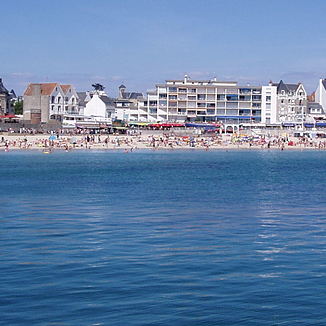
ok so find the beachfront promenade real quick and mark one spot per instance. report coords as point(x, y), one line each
point(163, 141)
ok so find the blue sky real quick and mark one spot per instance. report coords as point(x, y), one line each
point(141, 43)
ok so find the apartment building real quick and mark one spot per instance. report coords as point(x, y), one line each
point(291, 104)
point(209, 100)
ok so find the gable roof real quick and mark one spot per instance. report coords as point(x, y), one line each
point(82, 97)
point(65, 88)
point(324, 83)
point(281, 86)
point(46, 88)
point(3, 90)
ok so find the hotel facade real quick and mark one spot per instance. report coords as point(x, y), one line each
point(208, 101)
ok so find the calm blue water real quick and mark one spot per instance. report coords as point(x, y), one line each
point(163, 238)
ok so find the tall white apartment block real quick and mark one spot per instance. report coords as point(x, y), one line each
point(269, 105)
point(209, 100)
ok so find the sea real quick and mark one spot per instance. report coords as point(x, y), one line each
point(181, 238)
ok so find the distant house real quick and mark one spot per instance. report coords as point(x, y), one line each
point(100, 105)
point(49, 101)
point(320, 93)
point(126, 105)
point(6, 97)
point(291, 103)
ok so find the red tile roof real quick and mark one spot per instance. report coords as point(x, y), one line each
point(46, 88)
point(65, 88)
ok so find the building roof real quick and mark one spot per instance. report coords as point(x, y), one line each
point(82, 97)
point(281, 86)
point(131, 95)
point(107, 100)
point(122, 86)
point(65, 88)
point(324, 83)
point(46, 88)
point(3, 90)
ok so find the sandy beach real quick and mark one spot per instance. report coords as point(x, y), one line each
point(153, 141)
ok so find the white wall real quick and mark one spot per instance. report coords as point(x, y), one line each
point(269, 108)
point(320, 95)
point(95, 107)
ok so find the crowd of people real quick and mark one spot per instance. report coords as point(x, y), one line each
point(155, 141)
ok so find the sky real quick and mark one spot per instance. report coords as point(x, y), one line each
point(143, 42)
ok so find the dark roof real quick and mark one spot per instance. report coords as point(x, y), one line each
point(122, 86)
point(81, 96)
point(324, 83)
point(132, 95)
point(107, 100)
point(281, 86)
point(13, 94)
point(3, 90)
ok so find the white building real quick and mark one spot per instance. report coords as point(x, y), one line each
point(100, 105)
point(127, 105)
point(208, 100)
point(291, 104)
point(320, 94)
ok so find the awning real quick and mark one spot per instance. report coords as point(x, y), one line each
point(9, 116)
point(201, 125)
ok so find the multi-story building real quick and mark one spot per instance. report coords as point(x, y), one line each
point(127, 104)
point(6, 97)
point(291, 104)
point(209, 100)
point(320, 94)
point(49, 101)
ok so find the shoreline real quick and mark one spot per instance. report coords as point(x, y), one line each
point(163, 142)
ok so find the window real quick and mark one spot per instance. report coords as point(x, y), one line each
point(52, 99)
point(172, 89)
point(268, 98)
point(232, 97)
point(66, 99)
point(244, 97)
point(59, 99)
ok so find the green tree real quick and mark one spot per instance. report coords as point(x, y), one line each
point(18, 107)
